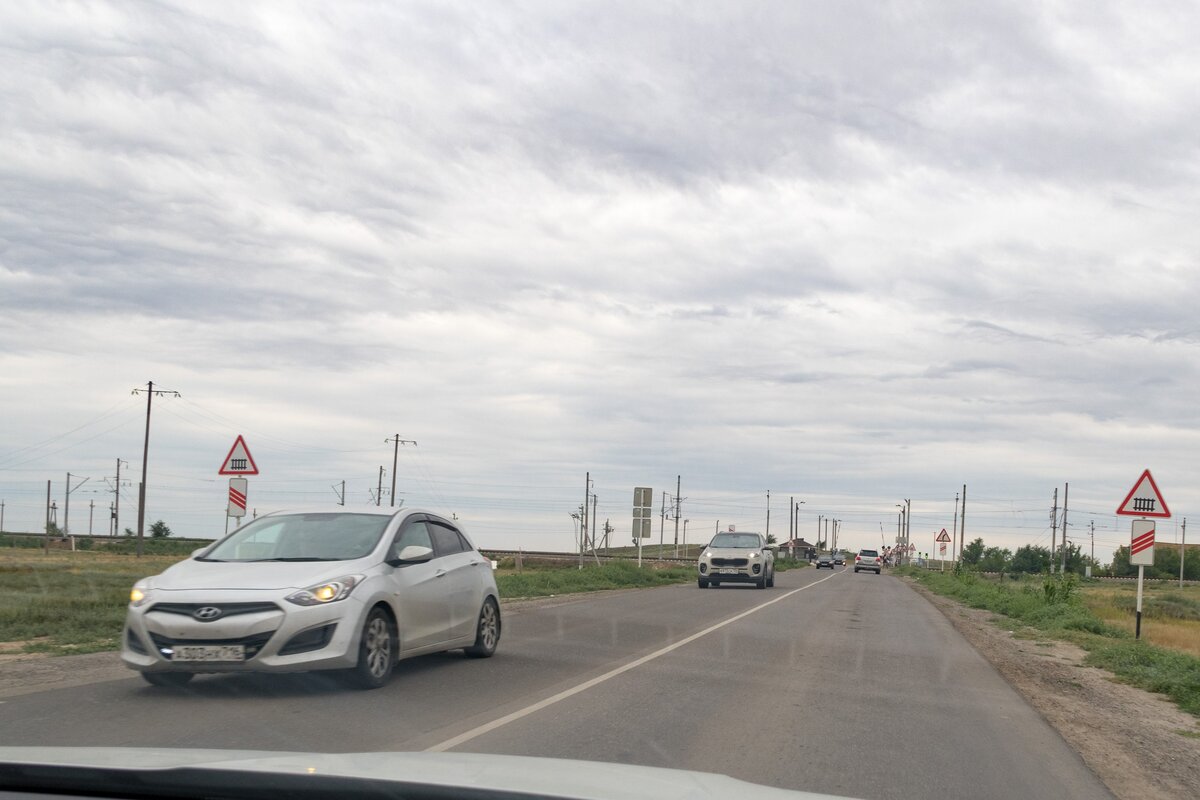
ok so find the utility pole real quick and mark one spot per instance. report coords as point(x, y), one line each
point(819, 518)
point(954, 539)
point(379, 487)
point(341, 495)
point(46, 538)
point(1066, 490)
point(791, 518)
point(678, 485)
point(91, 511)
point(1093, 537)
point(1, 516)
point(397, 441)
point(663, 518)
point(1054, 530)
point(1183, 549)
point(768, 533)
point(587, 492)
point(116, 519)
point(907, 521)
point(685, 522)
point(150, 393)
point(67, 510)
point(962, 524)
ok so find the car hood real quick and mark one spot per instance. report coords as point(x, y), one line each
point(725, 552)
point(247, 773)
point(263, 575)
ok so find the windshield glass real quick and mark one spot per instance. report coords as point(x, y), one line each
point(302, 537)
point(738, 540)
point(869, 553)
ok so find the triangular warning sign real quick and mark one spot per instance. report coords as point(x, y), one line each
point(239, 461)
point(943, 536)
point(1144, 499)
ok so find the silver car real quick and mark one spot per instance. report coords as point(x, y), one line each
point(737, 558)
point(317, 590)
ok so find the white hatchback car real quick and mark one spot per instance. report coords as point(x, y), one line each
point(315, 590)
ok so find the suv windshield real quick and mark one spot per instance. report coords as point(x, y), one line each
point(738, 540)
point(302, 537)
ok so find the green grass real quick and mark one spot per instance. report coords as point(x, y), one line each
point(1170, 672)
point(592, 578)
point(67, 602)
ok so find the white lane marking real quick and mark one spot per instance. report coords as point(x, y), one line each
point(488, 727)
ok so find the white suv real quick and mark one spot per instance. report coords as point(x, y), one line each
point(868, 560)
point(737, 558)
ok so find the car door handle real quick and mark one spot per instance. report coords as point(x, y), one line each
point(441, 573)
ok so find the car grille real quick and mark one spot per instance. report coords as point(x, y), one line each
point(253, 644)
point(227, 609)
point(730, 562)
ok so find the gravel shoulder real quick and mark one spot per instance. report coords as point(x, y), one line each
point(1132, 739)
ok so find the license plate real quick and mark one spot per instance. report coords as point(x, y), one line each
point(210, 652)
point(728, 571)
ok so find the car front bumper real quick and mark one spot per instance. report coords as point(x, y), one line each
point(278, 637)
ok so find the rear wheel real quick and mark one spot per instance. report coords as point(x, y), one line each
point(171, 680)
point(487, 632)
point(376, 652)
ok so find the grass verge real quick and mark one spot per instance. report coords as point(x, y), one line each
point(1065, 615)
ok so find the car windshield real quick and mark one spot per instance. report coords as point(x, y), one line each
point(736, 540)
point(302, 537)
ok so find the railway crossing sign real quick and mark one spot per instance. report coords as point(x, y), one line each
point(1144, 499)
point(1141, 543)
point(237, 497)
point(239, 461)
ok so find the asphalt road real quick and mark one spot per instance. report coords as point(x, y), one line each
point(830, 682)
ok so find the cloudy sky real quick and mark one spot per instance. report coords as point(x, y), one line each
point(845, 252)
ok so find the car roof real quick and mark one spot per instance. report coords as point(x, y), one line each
point(381, 511)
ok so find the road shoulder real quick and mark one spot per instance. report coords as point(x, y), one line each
point(1132, 739)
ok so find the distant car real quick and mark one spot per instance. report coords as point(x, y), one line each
point(839, 559)
point(737, 558)
point(825, 560)
point(868, 560)
point(345, 590)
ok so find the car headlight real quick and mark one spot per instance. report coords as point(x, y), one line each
point(139, 594)
point(755, 554)
point(707, 554)
point(327, 592)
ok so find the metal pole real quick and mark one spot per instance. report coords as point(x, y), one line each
point(768, 512)
point(662, 517)
point(962, 530)
point(46, 538)
point(117, 502)
point(379, 487)
point(395, 456)
point(67, 510)
point(1182, 549)
point(595, 500)
point(91, 512)
point(791, 518)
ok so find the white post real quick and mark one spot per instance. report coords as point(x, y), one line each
point(639, 535)
point(1138, 625)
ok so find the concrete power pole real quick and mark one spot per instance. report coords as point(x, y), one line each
point(397, 441)
point(150, 394)
point(678, 485)
point(1066, 490)
point(954, 554)
point(768, 533)
point(1182, 548)
point(1053, 529)
point(962, 521)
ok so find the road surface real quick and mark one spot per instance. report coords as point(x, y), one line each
point(830, 682)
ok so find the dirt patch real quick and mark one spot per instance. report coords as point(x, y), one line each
point(1141, 745)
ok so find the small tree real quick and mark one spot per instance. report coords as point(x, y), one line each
point(1030, 559)
point(53, 530)
point(129, 532)
point(995, 559)
point(771, 538)
point(159, 530)
point(973, 552)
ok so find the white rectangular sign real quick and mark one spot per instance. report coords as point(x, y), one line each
point(1141, 543)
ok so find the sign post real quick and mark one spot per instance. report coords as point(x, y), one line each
point(941, 539)
point(238, 462)
point(1144, 500)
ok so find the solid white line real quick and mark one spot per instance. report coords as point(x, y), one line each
point(488, 727)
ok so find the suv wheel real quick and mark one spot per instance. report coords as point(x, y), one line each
point(702, 583)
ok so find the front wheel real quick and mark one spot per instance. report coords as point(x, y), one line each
point(762, 582)
point(376, 652)
point(487, 633)
point(771, 580)
point(702, 583)
point(170, 680)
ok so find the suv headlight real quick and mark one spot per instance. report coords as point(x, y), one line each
point(327, 592)
point(139, 595)
point(756, 554)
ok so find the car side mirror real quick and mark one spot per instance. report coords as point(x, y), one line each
point(773, 548)
point(412, 554)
